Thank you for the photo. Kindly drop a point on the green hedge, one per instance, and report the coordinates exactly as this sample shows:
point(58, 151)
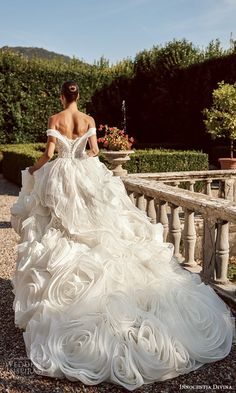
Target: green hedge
point(152, 160)
point(14, 158)
point(164, 88)
point(29, 91)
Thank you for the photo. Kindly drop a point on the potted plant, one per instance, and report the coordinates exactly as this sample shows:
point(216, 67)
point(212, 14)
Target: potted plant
point(117, 145)
point(220, 119)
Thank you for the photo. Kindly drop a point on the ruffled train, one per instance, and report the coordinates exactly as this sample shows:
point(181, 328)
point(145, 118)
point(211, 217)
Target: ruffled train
point(99, 294)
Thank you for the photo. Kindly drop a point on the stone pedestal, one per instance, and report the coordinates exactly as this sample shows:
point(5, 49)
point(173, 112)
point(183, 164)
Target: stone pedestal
point(117, 159)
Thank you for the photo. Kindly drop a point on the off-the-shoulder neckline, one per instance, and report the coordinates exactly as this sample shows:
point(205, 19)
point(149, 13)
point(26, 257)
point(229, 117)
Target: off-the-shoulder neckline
point(78, 137)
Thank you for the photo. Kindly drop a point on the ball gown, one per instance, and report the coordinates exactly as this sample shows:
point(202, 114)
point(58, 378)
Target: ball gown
point(98, 293)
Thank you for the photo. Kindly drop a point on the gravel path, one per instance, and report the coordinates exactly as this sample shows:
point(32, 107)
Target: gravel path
point(16, 371)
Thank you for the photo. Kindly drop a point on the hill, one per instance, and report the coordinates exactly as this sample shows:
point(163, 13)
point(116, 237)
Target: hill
point(41, 53)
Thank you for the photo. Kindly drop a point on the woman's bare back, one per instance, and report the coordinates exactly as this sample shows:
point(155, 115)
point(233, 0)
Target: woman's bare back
point(71, 123)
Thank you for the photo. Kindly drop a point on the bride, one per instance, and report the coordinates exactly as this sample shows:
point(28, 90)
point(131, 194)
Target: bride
point(98, 293)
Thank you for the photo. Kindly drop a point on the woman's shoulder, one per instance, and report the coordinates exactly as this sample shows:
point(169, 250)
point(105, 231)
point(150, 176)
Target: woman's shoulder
point(52, 120)
point(84, 116)
point(86, 119)
point(56, 115)
point(90, 121)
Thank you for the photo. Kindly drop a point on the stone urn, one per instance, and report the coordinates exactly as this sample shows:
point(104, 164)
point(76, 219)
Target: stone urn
point(117, 159)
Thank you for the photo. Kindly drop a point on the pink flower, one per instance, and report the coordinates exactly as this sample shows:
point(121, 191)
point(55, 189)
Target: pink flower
point(114, 138)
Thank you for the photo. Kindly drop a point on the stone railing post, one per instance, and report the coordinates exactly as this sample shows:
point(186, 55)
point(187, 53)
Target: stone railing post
point(191, 185)
point(141, 202)
point(234, 190)
point(132, 197)
point(189, 238)
point(175, 230)
point(208, 187)
point(176, 183)
point(209, 255)
point(163, 218)
point(222, 252)
point(221, 189)
point(229, 189)
point(151, 210)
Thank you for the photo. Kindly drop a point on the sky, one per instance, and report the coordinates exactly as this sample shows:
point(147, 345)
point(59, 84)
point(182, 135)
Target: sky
point(115, 29)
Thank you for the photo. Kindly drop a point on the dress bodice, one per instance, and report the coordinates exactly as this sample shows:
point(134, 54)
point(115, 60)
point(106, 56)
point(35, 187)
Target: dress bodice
point(71, 148)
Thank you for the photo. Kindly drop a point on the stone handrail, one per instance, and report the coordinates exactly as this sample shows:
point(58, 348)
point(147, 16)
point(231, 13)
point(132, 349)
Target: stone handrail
point(153, 197)
point(226, 179)
point(204, 204)
point(186, 175)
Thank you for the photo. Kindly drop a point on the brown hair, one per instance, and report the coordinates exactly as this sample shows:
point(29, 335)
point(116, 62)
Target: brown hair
point(70, 90)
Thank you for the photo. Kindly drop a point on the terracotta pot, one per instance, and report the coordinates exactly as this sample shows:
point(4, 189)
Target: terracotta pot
point(227, 163)
point(117, 159)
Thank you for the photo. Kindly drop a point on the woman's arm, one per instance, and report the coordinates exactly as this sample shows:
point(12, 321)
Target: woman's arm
point(92, 140)
point(49, 151)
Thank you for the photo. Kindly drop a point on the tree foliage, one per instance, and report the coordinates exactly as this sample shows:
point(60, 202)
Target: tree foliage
point(29, 92)
point(165, 90)
point(220, 119)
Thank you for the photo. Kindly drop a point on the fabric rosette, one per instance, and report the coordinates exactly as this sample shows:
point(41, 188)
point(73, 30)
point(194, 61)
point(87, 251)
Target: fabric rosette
point(79, 349)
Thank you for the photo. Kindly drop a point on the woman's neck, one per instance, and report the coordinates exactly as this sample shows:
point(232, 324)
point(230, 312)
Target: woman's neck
point(72, 106)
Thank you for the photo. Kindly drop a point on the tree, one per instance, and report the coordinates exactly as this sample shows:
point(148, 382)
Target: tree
point(220, 119)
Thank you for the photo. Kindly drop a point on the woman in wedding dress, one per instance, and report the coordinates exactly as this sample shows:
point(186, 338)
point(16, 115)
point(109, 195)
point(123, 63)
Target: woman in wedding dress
point(98, 293)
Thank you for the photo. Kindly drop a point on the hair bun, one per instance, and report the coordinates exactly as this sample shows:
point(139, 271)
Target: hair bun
point(72, 88)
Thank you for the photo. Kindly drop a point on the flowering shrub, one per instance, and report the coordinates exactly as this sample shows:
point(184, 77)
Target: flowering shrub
point(114, 138)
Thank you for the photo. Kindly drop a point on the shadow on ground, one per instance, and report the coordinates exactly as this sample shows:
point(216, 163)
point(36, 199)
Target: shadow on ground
point(7, 188)
point(5, 224)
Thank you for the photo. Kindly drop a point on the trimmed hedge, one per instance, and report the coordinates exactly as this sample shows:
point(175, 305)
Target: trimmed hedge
point(155, 160)
point(14, 158)
point(18, 157)
point(152, 160)
point(164, 88)
point(30, 88)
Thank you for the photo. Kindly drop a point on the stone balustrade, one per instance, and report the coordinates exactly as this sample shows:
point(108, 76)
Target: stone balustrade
point(225, 179)
point(155, 197)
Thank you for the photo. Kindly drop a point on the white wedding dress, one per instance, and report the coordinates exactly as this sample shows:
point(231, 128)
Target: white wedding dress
point(97, 291)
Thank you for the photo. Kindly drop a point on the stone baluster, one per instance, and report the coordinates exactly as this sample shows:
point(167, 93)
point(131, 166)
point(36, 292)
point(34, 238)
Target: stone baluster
point(132, 196)
point(234, 190)
point(191, 185)
point(229, 189)
point(222, 252)
point(151, 210)
point(209, 255)
point(176, 183)
point(141, 202)
point(208, 187)
point(136, 195)
point(221, 189)
point(175, 230)
point(163, 218)
point(156, 206)
point(189, 238)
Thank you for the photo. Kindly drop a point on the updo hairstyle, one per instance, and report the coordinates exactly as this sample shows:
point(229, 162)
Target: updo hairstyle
point(70, 90)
